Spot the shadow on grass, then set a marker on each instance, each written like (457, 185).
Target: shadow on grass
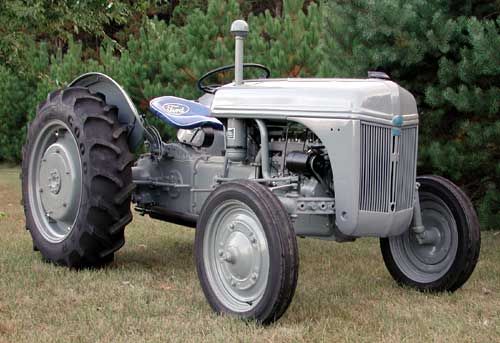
(177, 255)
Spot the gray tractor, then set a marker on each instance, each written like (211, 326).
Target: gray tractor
(256, 163)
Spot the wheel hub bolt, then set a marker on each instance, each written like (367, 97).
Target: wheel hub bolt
(231, 226)
(254, 276)
(228, 257)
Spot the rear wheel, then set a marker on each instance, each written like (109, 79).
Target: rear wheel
(76, 179)
(246, 252)
(446, 258)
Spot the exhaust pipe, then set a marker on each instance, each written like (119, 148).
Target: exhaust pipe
(236, 131)
(239, 29)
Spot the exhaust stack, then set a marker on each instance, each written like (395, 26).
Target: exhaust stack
(239, 29)
(236, 131)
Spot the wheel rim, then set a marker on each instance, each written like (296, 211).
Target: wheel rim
(55, 181)
(426, 263)
(236, 256)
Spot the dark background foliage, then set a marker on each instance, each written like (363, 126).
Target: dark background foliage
(447, 53)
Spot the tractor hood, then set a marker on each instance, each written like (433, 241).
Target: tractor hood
(373, 100)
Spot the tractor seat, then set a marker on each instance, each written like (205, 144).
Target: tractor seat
(182, 113)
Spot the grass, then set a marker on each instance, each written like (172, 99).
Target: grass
(151, 293)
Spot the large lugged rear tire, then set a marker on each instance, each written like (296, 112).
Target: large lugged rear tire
(77, 179)
(246, 252)
(446, 261)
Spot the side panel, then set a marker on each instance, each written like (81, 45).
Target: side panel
(115, 95)
(341, 139)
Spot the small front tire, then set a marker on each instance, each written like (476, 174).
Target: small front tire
(447, 261)
(246, 252)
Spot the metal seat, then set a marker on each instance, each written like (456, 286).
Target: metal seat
(182, 113)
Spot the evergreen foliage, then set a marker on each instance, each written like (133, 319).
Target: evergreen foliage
(57, 22)
(445, 53)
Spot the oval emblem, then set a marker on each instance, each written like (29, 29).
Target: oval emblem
(398, 120)
(175, 109)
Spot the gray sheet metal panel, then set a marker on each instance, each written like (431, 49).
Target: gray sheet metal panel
(378, 224)
(115, 95)
(206, 170)
(319, 226)
(341, 139)
(369, 100)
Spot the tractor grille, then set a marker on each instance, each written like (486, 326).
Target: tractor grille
(388, 168)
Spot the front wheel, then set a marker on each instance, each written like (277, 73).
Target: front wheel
(446, 260)
(246, 252)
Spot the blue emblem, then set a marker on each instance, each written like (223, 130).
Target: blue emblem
(398, 121)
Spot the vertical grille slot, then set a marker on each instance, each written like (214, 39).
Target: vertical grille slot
(406, 169)
(388, 165)
(375, 168)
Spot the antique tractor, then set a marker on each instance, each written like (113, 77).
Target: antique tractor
(256, 163)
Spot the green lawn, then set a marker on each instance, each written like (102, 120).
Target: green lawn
(151, 293)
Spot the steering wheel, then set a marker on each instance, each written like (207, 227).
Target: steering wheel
(212, 88)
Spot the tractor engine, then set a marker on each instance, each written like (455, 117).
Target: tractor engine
(174, 182)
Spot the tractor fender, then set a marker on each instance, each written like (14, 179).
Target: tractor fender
(115, 95)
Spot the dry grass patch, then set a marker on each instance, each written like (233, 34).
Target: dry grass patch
(151, 293)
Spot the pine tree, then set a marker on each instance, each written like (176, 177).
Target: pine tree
(447, 54)
(168, 59)
(291, 44)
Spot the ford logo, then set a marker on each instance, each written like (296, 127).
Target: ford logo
(176, 109)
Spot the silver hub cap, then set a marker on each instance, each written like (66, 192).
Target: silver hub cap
(429, 260)
(236, 256)
(55, 181)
